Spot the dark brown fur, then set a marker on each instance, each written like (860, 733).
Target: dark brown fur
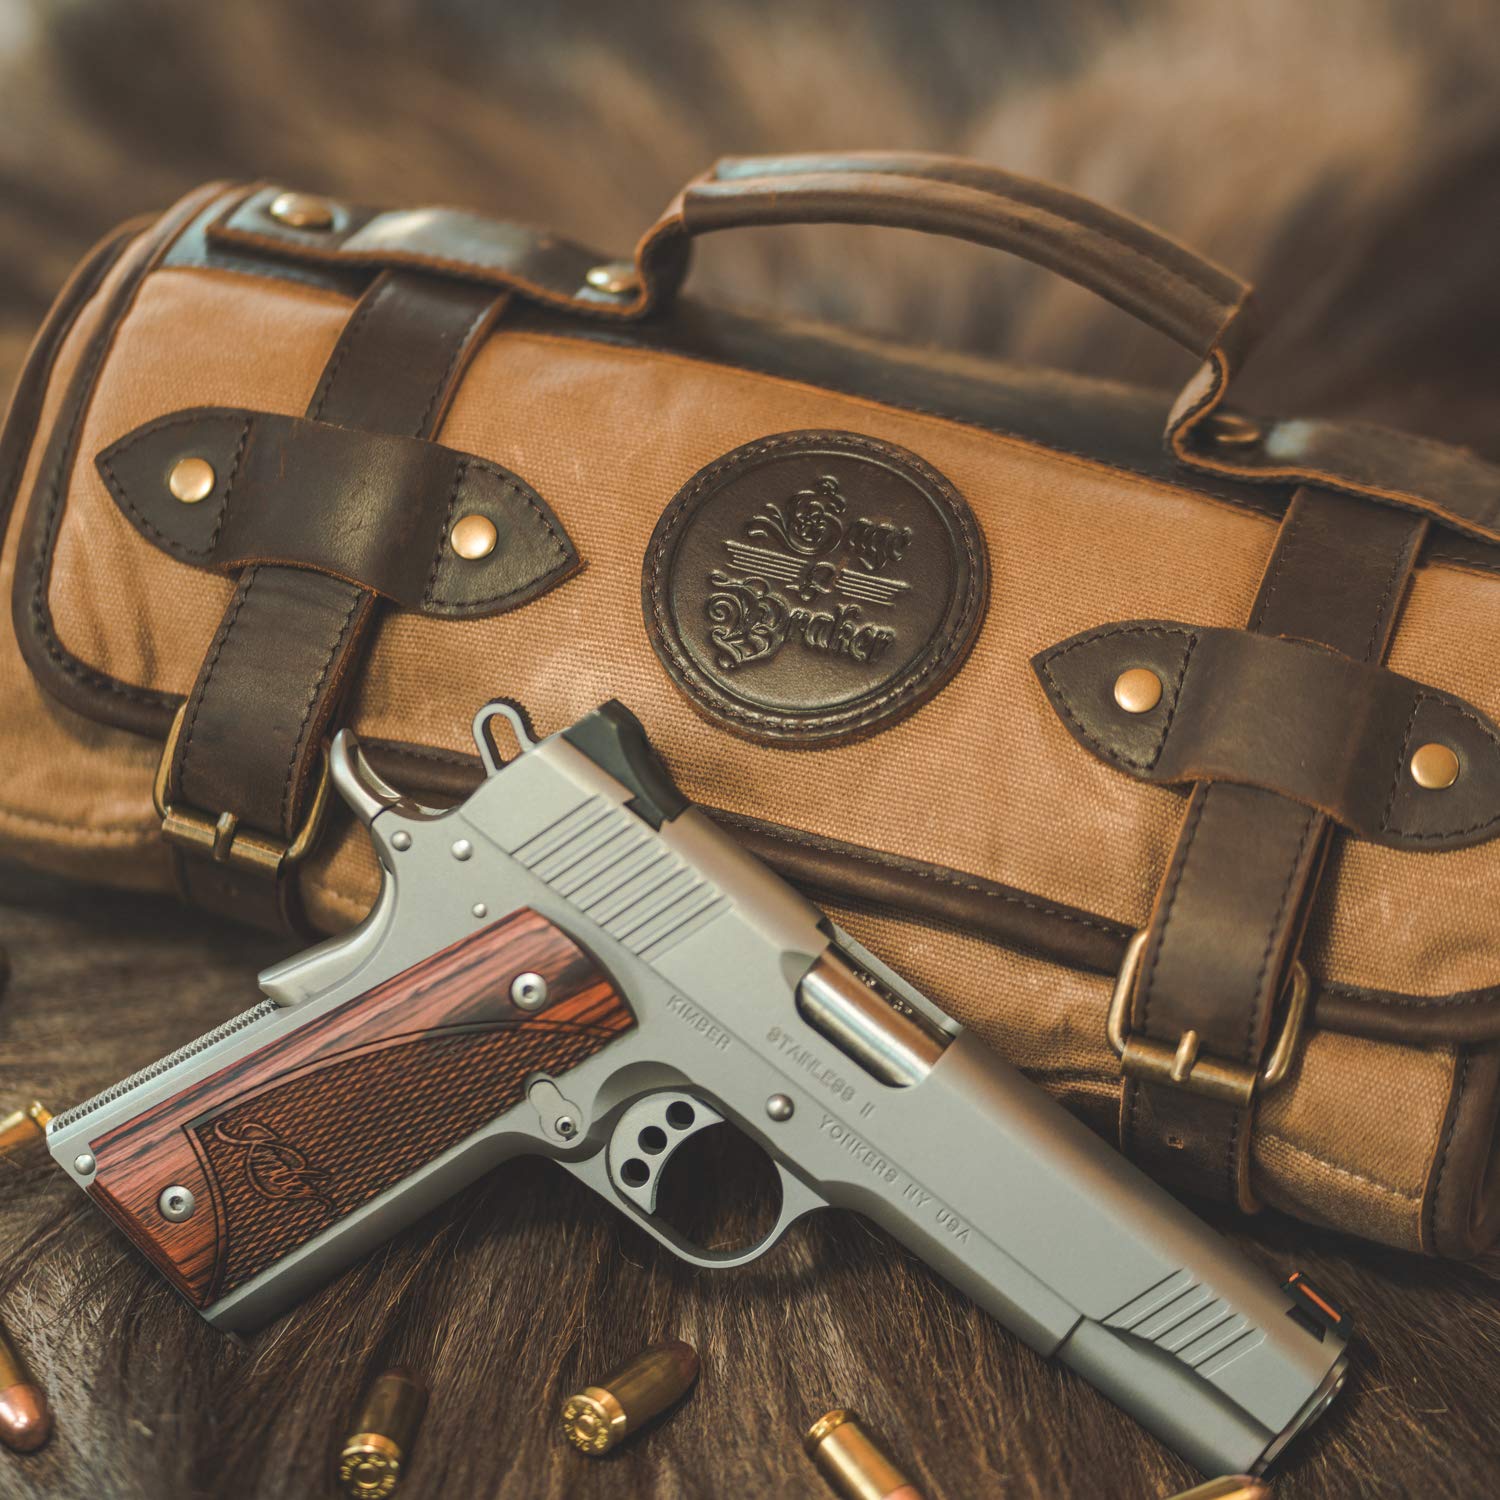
(1346, 155)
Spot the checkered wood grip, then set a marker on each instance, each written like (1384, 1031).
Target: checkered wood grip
(283, 1142)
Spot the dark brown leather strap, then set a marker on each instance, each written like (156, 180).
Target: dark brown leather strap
(1229, 916)
(249, 743)
(384, 509)
(1309, 723)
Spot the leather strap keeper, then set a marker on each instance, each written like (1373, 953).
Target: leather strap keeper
(1224, 933)
(374, 509)
(1311, 724)
(246, 759)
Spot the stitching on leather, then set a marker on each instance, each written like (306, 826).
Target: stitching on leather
(1262, 1001)
(105, 464)
(907, 687)
(387, 259)
(302, 730)
(1437, 835)
(460, 469)
(1390, 802)
(1460, 1083)
(457, 339)
(200, 691)
(1484, 996)
(85, 379)
(460, 343)
(40, 365)
(1105, 751)
(1179, 866)
(1145, 987)
(520, 488)
(1400, 567)
(346, 339)
(1284, 545)
(1309, 829)
(338, 254)
(1342, 484)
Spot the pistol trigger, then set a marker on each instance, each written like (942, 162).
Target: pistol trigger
(367, 793)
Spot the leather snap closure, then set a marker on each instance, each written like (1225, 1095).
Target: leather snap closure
(1138, 690)
(302, 211)
(473, 537)
(191, 480)
(618, 278)
(1434, 767)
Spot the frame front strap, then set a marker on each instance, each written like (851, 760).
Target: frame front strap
(1222, 939)
(247, 759)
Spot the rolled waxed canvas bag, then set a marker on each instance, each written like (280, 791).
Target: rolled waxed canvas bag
(1169, 767)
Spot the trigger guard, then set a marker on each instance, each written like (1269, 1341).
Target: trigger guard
(797, 1199)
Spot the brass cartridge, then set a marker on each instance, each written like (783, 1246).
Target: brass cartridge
(379, 1449)
(25, 1417)
(24, 1126)
(850, 1461)
(1229, 1487)
(602, 1415)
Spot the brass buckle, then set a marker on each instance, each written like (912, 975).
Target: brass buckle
(1183, 1066)
(221, 838)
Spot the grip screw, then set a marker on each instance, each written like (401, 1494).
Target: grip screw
(529, 991)
(176, 1204)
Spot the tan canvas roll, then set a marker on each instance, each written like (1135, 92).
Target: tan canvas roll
(819, 571)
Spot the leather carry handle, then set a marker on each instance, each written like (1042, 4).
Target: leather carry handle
(1191, 300)
(1162, 283)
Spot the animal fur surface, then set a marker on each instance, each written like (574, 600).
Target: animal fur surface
(1345, 155)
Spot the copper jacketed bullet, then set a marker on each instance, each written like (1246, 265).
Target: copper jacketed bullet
(602, 1415)
(378, 1451)
(25, 1418)
(851, 1462)
(24, 1127)
(1230, 1487)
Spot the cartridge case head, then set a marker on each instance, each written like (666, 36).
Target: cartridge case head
(600, 1416)
(374, 1457)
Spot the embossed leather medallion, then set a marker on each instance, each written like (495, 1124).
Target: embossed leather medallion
(811, 587)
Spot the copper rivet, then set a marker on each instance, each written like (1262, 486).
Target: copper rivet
(1231, 429)
(1138, 691)
(474, 537)
(618, 278)
(1434, 767)
(191, 480)
(301, 211)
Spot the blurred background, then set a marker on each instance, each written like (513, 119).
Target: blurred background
(1344, 154)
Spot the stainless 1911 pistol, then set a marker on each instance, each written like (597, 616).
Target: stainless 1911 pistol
(577, 963)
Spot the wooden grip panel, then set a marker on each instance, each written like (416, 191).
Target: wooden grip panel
(287, 1140)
